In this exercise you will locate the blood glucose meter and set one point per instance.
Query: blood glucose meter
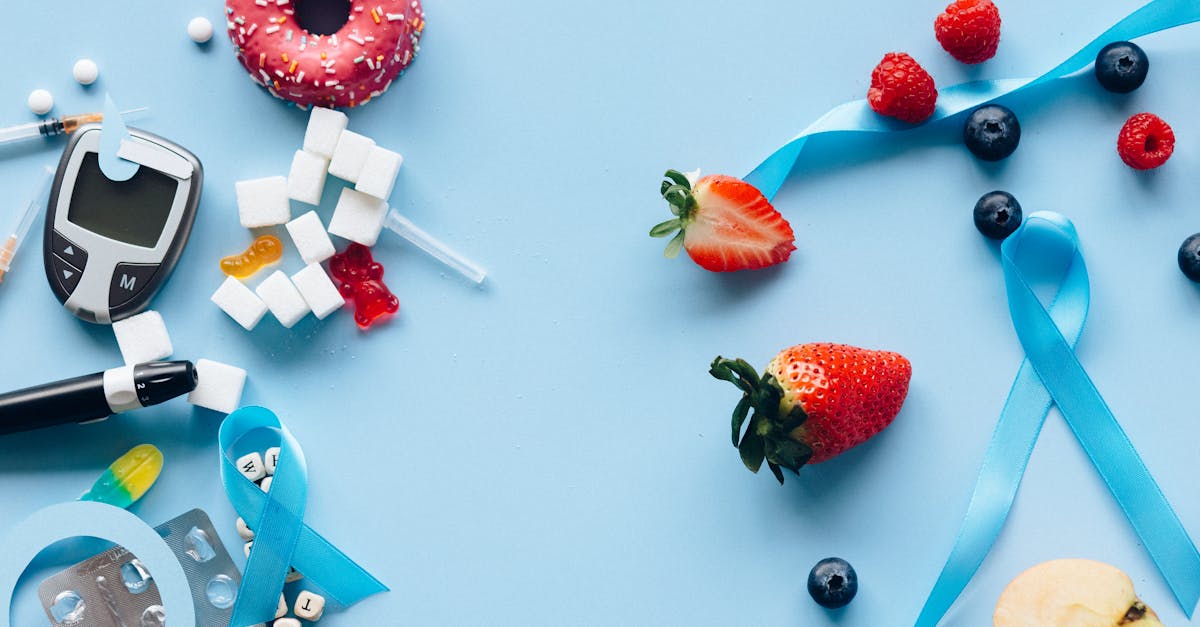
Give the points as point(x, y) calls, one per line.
point(110, 245)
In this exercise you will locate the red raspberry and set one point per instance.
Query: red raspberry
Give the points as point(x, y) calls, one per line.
point(969, 30)
point(902, 89)
point(1145, 141)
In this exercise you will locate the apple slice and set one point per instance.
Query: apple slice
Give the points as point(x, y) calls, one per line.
point(1072, 593)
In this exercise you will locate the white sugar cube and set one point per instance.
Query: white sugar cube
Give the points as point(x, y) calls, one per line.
point(310, 238)
point(282, 609)
point(235, 299)
point(271, 459)
point(358, 217)
point(310, 606)
point(251, 467)
point(266, 483)
point(263, 202)
point(219, 388)
point(350, 156)
point(318, 290)
point(143, 338)
point(287, 622)
point(325, 127)
point(282, 298)
point(306, 179)
point(244, 532)
point(378, 175)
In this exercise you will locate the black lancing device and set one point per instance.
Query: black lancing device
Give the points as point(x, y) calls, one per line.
point(95, 396)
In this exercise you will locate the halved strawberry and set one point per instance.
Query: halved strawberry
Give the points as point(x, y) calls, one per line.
point(724, 223)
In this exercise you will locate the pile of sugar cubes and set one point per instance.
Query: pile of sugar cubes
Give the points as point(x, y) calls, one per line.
point(359, 217)
point(144, 338)
point(260, 468)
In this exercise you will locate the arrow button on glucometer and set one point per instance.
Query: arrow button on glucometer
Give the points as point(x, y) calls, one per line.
point(128, 280)
point(69, 251)
point(66, 274)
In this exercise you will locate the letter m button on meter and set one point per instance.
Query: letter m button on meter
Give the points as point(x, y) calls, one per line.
point(110, 245)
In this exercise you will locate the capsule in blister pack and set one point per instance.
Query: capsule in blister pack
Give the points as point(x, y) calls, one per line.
point(113, 589)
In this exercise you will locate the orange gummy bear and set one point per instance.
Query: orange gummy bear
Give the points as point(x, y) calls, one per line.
point(265, 251)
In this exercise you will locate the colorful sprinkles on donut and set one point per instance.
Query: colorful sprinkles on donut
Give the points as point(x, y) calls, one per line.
point(348, 68)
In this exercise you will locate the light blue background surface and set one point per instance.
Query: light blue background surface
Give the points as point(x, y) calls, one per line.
point(549, 449)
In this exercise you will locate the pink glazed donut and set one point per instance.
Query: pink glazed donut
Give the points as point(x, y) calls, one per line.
point(345, 69)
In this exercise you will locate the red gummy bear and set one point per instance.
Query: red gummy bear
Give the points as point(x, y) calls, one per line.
point(361, 277)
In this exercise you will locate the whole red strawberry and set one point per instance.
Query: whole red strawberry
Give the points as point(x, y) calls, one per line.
point(902, 89)
point(1145, 142)
point(725, 224)
point(813, 402)
point(969, 30)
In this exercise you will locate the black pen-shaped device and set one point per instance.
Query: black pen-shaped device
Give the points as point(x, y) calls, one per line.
point(95, 396)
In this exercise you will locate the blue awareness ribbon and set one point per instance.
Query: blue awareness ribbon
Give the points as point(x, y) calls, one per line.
point(281, 538)
point(1046, 247)
point(856, 117)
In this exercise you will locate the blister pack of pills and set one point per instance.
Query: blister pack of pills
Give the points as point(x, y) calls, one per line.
point(113, 589)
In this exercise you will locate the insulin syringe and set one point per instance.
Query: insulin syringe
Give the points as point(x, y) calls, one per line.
point(403, 227)
point(54, 126)
point(18, 235)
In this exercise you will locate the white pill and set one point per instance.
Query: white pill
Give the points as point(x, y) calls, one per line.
point(200, 29)
point(243, 531)
point(40, 101)
point(271, 459)
point(86, 71)
point(251, 466)
point(310, 606)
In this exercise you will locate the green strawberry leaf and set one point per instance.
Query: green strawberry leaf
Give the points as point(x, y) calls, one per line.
point(723, 369)
point(739, 417)
point(678, 178)
point(766, 398)
point(663, 189)
point(745, 371)
point(674, 246)
point(679, 199)
point(664, 229)
point(675, 190)
point(789, 453)
point(776, 471)
point(752, 448)
point(794, 419)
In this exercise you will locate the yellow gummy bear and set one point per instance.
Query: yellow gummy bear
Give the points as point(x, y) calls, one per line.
point(265, 251)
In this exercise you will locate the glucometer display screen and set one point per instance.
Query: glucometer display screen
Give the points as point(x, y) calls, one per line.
point(133, 211)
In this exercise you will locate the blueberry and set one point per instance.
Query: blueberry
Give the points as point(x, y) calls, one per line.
point(1189, 257)
point(1121, 67)
point(833, 583)
point(997, 214)
point(992, 132)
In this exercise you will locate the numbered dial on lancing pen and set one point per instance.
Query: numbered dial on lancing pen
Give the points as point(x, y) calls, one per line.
point(110, 245)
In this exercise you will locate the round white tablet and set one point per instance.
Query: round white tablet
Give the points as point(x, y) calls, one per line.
point(200, 29)
point(40, 101)
point(86, 71)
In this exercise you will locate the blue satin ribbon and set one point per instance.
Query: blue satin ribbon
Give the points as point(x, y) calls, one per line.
point(856, 117)
point(281, 537)
point(1046, 247)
